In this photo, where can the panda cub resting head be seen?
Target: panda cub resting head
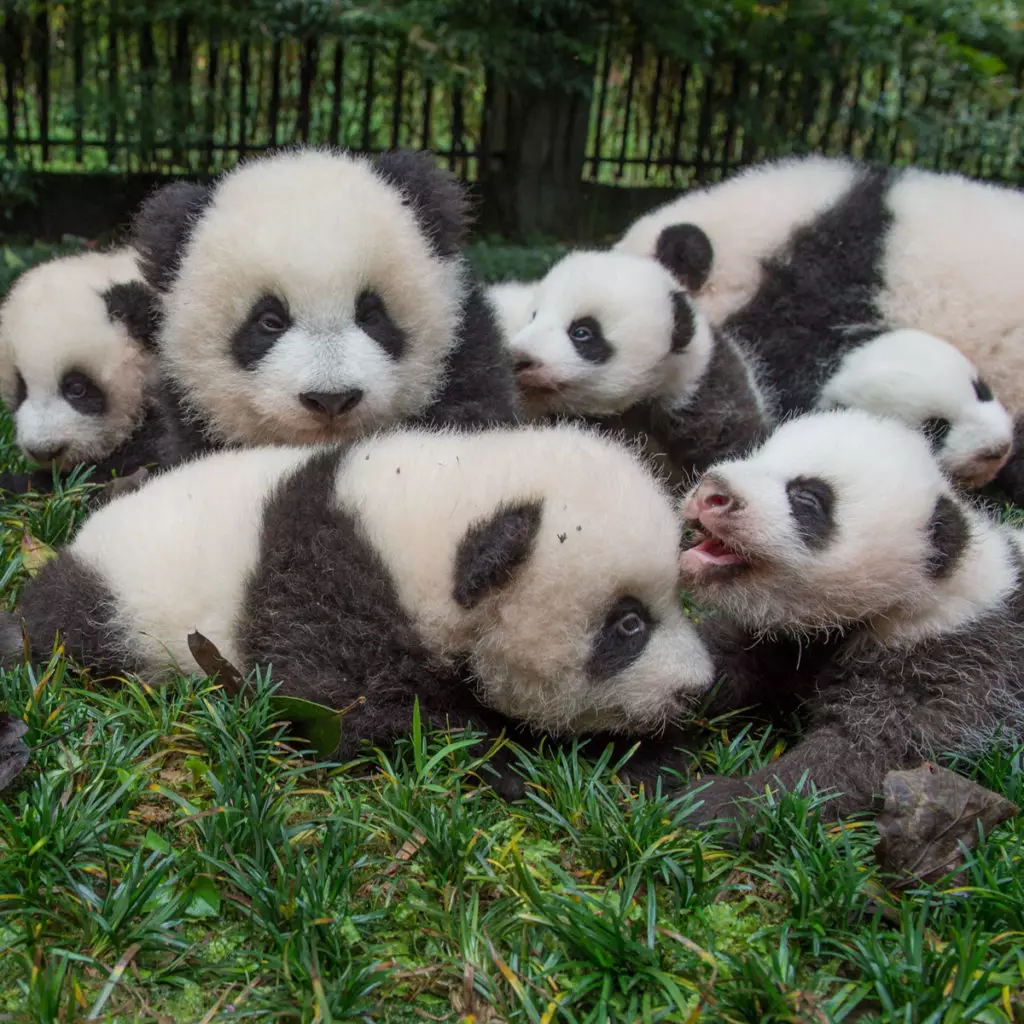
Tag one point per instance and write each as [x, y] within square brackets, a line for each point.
[848, 575]
[313, 296]
[930, 386]
[76, 364]
[525, 575]
[613, 337]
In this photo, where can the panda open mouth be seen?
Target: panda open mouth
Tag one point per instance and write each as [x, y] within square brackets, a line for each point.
[704, 552]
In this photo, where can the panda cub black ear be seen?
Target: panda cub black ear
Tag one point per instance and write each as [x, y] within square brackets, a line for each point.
[687, 252]
[684, 323]
[138, 308]
[493, 549]
[436, 196]
[949, 535]
[162, 227]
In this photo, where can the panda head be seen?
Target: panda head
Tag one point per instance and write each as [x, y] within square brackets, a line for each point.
[512, 302]
[309, 295]
[929, 385]
[838, 517]
[607, 330]
[544, 559]
[76, 356]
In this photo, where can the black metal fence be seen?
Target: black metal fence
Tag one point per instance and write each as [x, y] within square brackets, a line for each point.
[84, 89]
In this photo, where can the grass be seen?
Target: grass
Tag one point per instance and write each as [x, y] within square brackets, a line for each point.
[173, 855]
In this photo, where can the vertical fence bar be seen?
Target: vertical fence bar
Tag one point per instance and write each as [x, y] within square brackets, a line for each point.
[634, 60]
[595, 163]
[396, 106]
[12, 61]
[78, 77]
[677, 132]
[704, 123]
[309, 53]
[41, 46]
[113, 74]
[147, 73]
[368, 99]
[652, 117]
[274, 113]
[210, 120]
[458, 142]
[428, 114]
[338, 82]
[244, 59]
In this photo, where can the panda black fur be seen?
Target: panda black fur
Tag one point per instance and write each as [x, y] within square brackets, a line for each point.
[77, 366]
[313, 296]
[614, 340]
[527, 573]
[851, 579]
[808, 258]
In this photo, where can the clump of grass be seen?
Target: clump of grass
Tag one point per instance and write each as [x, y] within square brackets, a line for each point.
[173, 853]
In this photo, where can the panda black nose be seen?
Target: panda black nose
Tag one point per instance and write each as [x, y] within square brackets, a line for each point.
[523, 363]
[332, 403]
[46, 454]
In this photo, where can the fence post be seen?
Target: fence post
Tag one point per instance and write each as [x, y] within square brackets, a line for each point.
[78, 73]
[41, 39]
[12, 62]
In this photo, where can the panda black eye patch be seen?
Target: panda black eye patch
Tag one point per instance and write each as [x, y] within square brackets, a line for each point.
[811, 503]
[586, 337]
[622, 638]
[982, 391]
[83, 394]
[936, 430]
[372, 319]
[21, 389]
[267, 320]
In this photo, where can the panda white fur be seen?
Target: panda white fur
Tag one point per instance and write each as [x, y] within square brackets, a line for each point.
[614, 339]
[312, 296]
[851, 578]
[76, 363]
[930, 386]
[512, 302]
[527, 572]
[805, 259]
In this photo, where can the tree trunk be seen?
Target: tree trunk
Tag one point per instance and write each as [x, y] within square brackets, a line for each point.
[542, 138]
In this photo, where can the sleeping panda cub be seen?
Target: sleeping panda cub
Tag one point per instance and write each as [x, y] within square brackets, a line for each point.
[613, 339]
[851, 579]
[805, 259]
[313, 296]
[931, 387]
[76, 366]
[524, 576]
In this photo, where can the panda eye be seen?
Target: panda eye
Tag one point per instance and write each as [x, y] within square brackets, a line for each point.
[982, 391]
[630, 625]
[22, 389]
[369, 307]
[581, 333]
[811, 501]
[83, 394]
[936, 430]
[272, 323]
[586, 337]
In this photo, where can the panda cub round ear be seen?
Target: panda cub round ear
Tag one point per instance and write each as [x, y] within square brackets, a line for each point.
[493, 549]
[436, 196]
[686, 251]
[162, 227]
[138, 308]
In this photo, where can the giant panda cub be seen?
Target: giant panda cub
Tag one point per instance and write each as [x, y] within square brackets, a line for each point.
[76, 366]
[807, 258]
[850, 577]
[527, 573]
[930, 386]
[614, 339]
[312, 296]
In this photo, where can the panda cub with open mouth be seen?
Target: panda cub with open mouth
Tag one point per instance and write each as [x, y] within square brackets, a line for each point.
[850, 578]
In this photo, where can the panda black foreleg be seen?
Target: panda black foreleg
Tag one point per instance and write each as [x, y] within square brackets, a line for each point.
[1010, 478]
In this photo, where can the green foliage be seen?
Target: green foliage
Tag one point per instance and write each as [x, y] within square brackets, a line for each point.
[493, 260]
[16, 259]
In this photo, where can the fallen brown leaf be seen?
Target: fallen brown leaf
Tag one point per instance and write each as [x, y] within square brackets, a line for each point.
[213, 663]
[34, 553]
[931, 815]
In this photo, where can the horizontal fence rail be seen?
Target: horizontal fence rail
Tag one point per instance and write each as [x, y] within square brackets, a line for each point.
[86, 88]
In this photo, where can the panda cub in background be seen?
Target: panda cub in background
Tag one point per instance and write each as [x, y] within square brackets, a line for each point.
[312, 296]
[76, 366]
[931, 387]
[615, 340]
[528, 573]
[849, 577]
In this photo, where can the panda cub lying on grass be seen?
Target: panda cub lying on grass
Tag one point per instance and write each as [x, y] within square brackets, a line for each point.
[511, 576]
[851, 578]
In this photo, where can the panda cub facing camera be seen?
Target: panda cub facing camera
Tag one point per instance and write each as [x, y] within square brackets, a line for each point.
[504, 577]
[313, 296]
[613, 339]
[849, 577]
[77, 366]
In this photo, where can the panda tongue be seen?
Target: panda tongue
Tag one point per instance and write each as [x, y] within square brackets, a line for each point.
[712, 550]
